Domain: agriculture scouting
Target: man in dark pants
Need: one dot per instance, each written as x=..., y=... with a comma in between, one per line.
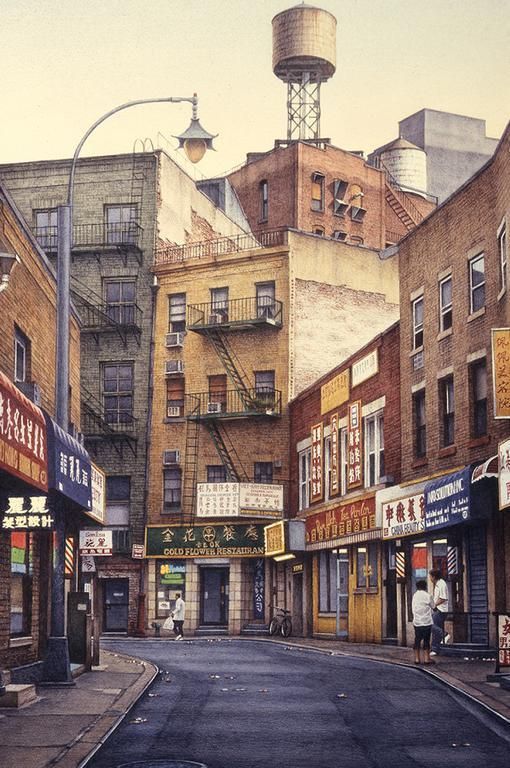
x=439, y=610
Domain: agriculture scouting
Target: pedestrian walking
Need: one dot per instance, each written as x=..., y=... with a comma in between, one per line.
x=440, y=609
x=422, y=621
x=178, y=616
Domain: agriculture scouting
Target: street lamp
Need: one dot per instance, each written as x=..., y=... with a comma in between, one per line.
x=195, y=140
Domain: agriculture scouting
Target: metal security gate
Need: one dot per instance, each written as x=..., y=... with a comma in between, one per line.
x=477, y=584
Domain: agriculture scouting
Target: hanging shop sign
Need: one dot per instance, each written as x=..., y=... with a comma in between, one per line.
x=98, y=491
x=88, y=564
x=23, y=449
x=69, y=470
x=223, y=540
x=503, y=641
x=501, y=372
x=218, y=500
x=284, y=538
x=365, y=368
x=137, y=551
x=274, y=539
x=334, y=457
x=96, y=541
x=27, y=513
x=335, y=392
x=354, y=446
x=403, y=517
x=316, y=469
x=258, y=589
x=504, y=474
x=326, y=527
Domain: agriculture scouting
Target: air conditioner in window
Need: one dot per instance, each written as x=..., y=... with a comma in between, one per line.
x=213, y=407
x=215, y=319
x=172, y=411
x=31, y=390
x=174, y=339
x=174, y=367
x=171, y=457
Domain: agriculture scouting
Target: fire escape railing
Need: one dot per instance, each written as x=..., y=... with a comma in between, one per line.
x=171, y=253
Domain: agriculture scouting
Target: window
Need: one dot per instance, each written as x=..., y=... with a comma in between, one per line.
x=447, y=406
x=419, y=568
x=219, y=303
x=374, y=449
x=21, y=356
x=327, y=582
x=121, y=541
x=327, y=467
x=21, y=584
x=478, y=376
x=320, y=231
x=263, y=472
x=121, y=224
x=305, y=459
x=366, y=567
x=265, y=293
x=264, y=388
x=338, y=234
x=339, y=191
x=118, y=393
x=356, y=200
x=503, y=257
x=317, y=192
x=171, y=579
x=118, y=495
x=420, y=426
x=344, y=456
x=177, y=312
x=171, y=489
x=445, y=303
x=218, y=390
x=417, y=310
x=477, y=283
x=216, y=473
x=174, y=397
x=120, y=301
x=264, y=200
x=46, y=227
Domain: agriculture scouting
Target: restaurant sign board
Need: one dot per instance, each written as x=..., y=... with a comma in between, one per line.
x=352, y=517
x=196, y=541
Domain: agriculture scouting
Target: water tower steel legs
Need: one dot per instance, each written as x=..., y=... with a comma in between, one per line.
x=304, y=108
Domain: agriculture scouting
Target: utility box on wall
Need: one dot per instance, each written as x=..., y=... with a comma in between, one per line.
x=79, y=627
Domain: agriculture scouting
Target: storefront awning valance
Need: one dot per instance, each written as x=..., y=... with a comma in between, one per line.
x=454, y=499
x=69, y=466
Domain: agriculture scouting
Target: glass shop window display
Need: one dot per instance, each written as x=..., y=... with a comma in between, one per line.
x=171, y=578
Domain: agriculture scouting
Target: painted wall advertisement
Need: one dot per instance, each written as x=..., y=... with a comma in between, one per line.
x=316, y=489
x=404, y=517
x=335, y=392
x=354, y=446
x=225, y=540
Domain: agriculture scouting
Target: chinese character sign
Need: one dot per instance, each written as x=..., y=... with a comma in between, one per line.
x=217, y=499
x=501, y=372
x=274, y=537
x=504, y=474
x=27, y=513
x=215, y=540
x=403, y=517
x=317, y=465
x=504, y=640
x=335, y=392
x=96, y=541
x=334, y=486
x=354, y=446
x=345, y=520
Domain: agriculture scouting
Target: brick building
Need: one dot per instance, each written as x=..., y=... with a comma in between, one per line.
x=36, y=486
x=453, y=293
x=123, y=206
x=344, y=446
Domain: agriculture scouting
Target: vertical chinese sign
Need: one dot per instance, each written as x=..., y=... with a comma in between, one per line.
x=333, y=457
x=504, y=473
x=501, y=372
x=503, y=641
x=354, y=451
x=317, y=479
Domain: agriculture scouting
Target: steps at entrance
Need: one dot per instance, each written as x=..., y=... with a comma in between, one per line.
x=211, y=630
x=470, y=650
x=255, y=629
x=18, y=695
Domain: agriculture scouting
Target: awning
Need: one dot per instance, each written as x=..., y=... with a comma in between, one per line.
x=69, y=465
x=454, y=499
x=485, y=470
x=23, y=450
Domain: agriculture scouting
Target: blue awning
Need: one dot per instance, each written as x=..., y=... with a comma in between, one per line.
x=69, y=466
x=453, y=499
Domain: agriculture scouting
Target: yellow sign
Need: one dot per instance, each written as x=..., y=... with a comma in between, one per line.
x=274, y=539
x=501, y=372
x=335, y=392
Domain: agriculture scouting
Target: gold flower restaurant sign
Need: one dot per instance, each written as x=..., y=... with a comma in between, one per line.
x=344, y=520
x=218, y=540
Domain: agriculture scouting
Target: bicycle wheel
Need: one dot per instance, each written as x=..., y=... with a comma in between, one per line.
x=286, y=627
x=273, y=626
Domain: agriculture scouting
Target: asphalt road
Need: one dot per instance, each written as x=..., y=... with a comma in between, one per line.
x=248, y=704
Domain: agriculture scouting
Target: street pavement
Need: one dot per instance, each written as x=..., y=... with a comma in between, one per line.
x=305, y=703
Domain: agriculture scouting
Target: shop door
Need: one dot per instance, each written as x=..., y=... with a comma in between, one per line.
x=391, y=592
x=477, y=580
x=297, y=604
x=116, y=603
x=214, y=596
x=342, y=593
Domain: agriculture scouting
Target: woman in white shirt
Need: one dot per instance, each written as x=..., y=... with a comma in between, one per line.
x=422, y=621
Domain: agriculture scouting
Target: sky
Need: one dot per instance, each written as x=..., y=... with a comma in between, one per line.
x=67, y=62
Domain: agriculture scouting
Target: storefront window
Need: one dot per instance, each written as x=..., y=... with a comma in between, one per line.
x=21, y=583
x=419, y=568
x=327, y=582
x=439, y=558
x=170, y=578
x=366, y=567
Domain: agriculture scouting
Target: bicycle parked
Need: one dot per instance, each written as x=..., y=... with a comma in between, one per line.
x=281, y=623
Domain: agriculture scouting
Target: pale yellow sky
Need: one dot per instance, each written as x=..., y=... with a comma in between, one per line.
x=66, y=62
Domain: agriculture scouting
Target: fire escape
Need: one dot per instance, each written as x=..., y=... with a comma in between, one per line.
x=399, y=202
x=99, y=317
x=118, y=429
x=215, y=323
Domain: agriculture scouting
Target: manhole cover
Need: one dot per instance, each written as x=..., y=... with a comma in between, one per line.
x=162, y=764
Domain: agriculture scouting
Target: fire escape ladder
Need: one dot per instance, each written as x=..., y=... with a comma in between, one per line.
x=94, y=424
x=401, y=203
x=189, y=484
x=227, y=453
x=91, y=309
x=232, y=364
x=138, y=179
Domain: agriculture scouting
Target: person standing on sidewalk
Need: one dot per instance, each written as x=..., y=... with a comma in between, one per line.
x=422, y=622
x=178, y=616
x=440, y=609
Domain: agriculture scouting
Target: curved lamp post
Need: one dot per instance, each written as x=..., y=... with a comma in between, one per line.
x=195, y=141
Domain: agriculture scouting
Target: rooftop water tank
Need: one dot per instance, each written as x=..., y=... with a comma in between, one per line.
x=407, y=164
x=304, y=40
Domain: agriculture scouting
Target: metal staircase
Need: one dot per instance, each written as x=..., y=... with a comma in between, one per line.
x=399, y=202
x=97, y=429
x=231, y=363
x=96, y=315
x=227, y=453
x=189, y=483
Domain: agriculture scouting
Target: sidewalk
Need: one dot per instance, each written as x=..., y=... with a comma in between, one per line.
x=66, y=724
